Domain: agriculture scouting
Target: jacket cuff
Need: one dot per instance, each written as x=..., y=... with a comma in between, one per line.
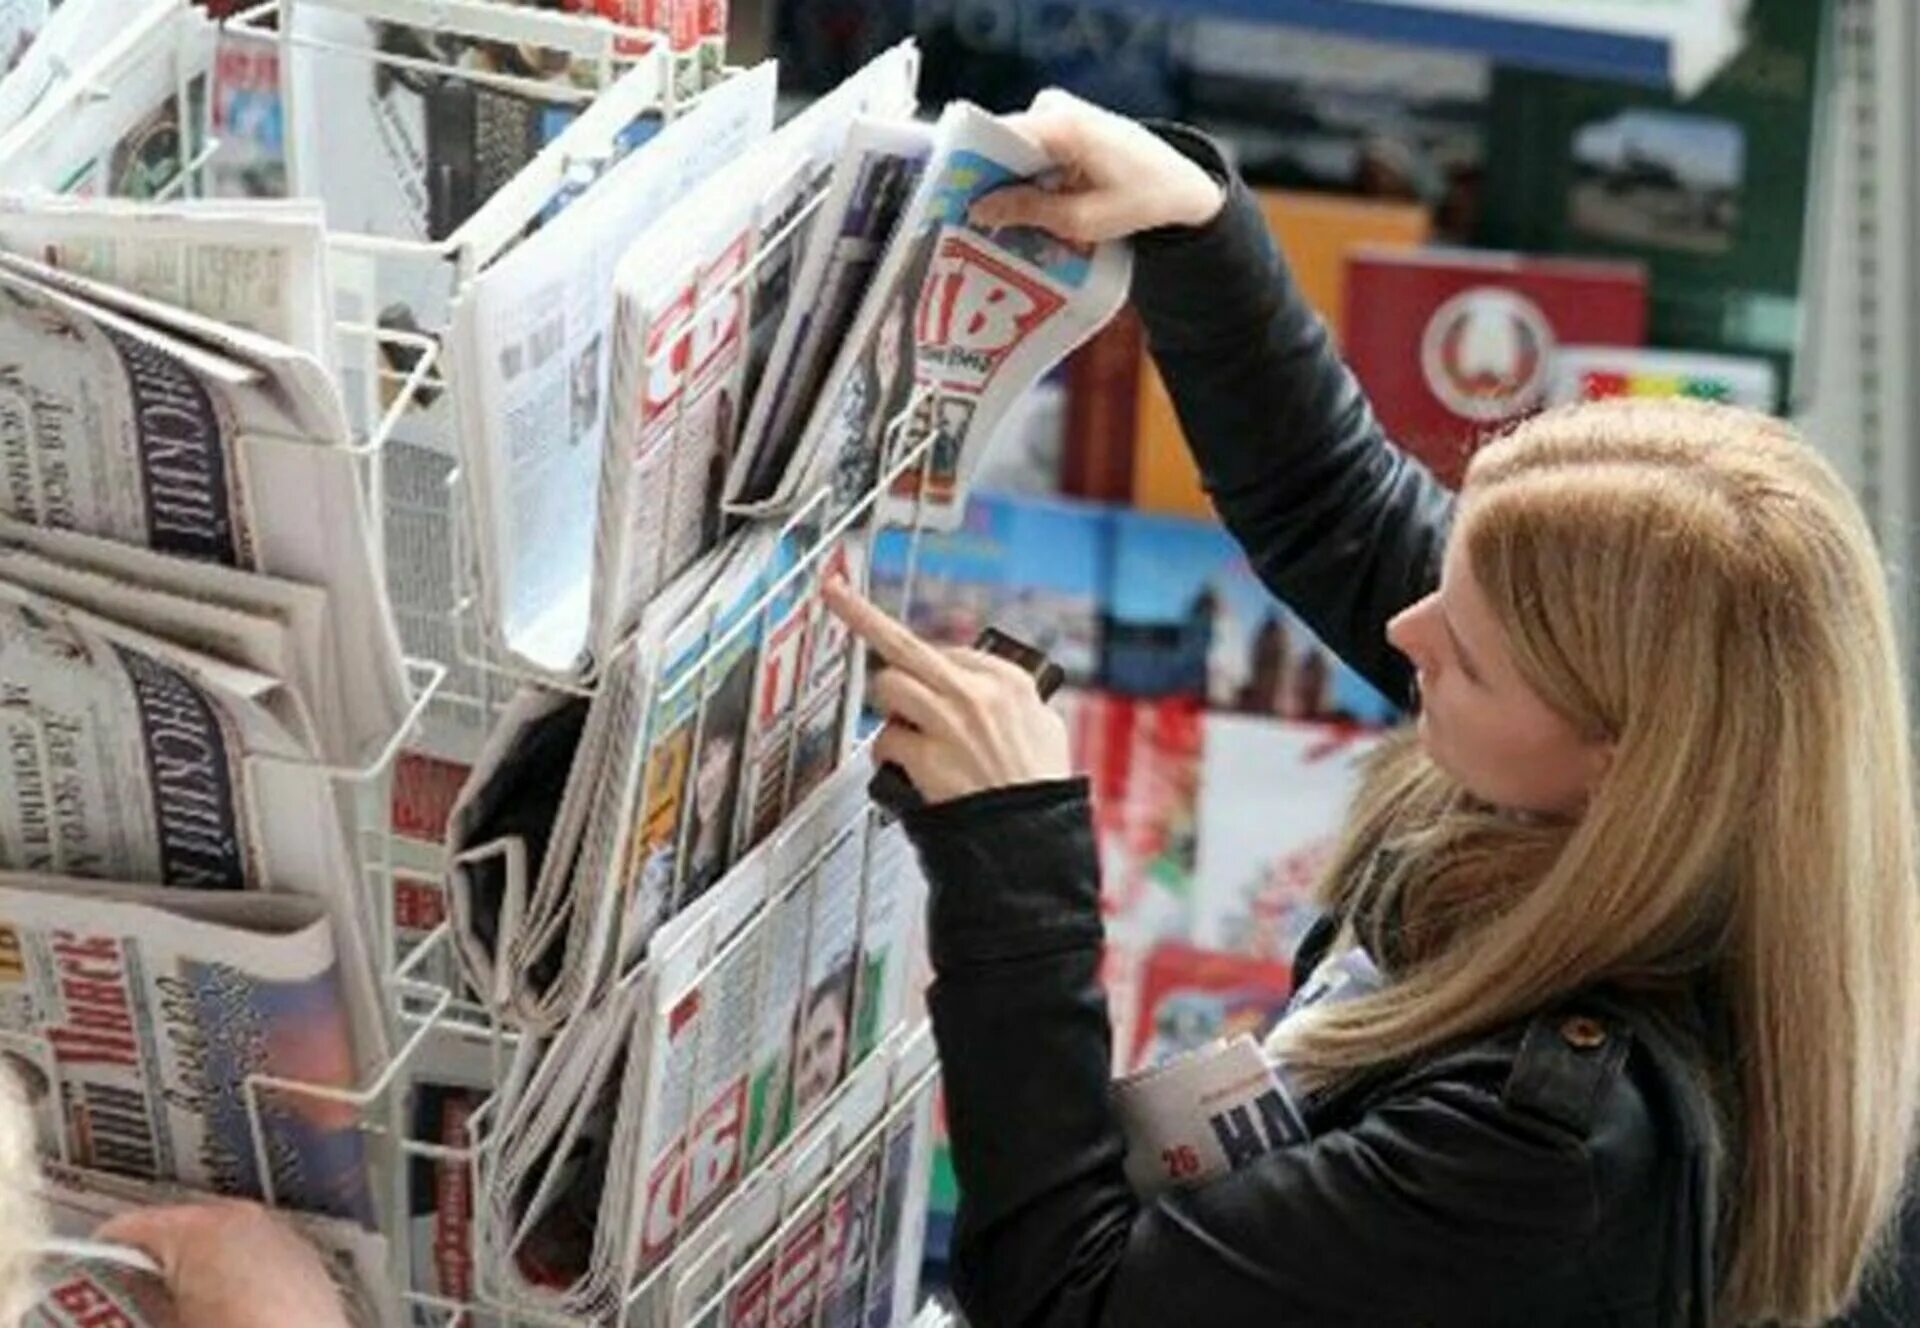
x=1190, y=283
x=1014, y=872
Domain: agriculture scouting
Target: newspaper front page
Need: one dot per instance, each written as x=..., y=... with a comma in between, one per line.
x=531, y=342
x=155, y=1006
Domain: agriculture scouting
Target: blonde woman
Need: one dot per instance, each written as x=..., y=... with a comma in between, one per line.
x=1628, y=923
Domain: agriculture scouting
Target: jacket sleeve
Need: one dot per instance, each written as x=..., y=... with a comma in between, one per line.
x=1431, y=1194
x=1337, y=521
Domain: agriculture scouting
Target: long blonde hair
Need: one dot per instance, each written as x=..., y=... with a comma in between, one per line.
x=1696, y=585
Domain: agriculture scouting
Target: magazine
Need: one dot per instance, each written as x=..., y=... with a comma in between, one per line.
x=156, y=1005
x=958, y=322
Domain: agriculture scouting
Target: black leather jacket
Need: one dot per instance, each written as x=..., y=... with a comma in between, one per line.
x=1555, y=1172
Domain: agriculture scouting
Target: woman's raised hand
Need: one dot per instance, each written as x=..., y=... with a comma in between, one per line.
x=1115, y=176
x=958, y=721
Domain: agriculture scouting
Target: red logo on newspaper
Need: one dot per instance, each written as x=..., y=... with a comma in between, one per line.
x=975, y=310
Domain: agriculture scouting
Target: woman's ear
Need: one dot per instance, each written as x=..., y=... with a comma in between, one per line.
x=1600, y=754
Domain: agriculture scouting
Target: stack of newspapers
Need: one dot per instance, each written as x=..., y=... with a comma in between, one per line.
x=670, y=363
x=195, y=646
x=685, y=402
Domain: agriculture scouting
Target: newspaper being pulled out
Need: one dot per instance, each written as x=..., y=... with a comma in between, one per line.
x=640, y=1120
x=95, y=1294
x=111, y=100
x=134, y=1015
x=153, y=427
x=958, y=322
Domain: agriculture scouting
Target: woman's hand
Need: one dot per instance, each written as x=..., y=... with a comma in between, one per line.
x=232, y=1265
x=958, y=721
x=1116, y=177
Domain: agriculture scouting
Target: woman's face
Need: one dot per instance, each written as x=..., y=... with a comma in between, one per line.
x=1479, y=720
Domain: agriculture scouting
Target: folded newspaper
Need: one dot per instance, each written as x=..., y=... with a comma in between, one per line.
x=150, y=426
x=130, y=758
x=755, y=1004
x=254, y=264
x=92, y=1294
x=586, y=824
x=137, y=1015
x=1226, y=1105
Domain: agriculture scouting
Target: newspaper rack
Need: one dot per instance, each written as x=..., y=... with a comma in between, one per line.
x=421, y=1005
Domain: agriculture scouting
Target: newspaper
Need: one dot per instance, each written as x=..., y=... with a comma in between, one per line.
x=20, y=23
x=282, y=628
x=877, y=171
x=1227, y=1104
x=128, y=758
x=577, y=527
x=140, y=138
x=147, y=427
x=410, y=143
x=958, y=322
x=155, y=1006
x=1203, y=1114
x=633, y=1129
x=530, y=346
x=95, y=1295
x=254, y=265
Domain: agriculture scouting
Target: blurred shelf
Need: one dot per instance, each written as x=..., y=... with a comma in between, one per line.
x=1669, y=43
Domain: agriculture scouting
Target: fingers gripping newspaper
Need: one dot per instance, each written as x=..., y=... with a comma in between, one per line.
x=135, y=1014
x=958, y=322
x=91, y=1294
x=155, y=428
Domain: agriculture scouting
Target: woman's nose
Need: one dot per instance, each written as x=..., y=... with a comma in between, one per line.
x=1406, y=632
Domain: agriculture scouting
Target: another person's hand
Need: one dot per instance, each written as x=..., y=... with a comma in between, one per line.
x=232, y=1265
x=958, y=721
x=1116, y=176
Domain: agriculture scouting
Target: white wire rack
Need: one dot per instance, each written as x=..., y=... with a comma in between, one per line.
x=433, y=1021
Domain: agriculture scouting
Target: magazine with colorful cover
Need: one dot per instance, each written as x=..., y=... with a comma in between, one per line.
x=1188, y=616
x=1274, y=798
